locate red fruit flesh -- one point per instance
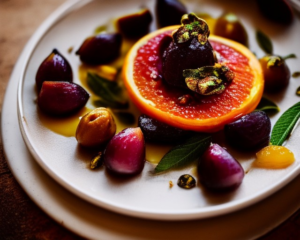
(125, 153)
(218, 170)
(61, 98)
(54, 68)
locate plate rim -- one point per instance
(187, 214)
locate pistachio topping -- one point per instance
(208, 80)
(97, 161)
(186, 181)
(274, 61)
(191, 27)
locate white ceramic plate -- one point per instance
(145, 195)
(92, 222)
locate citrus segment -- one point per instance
(205, 113)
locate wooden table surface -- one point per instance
(20, 217)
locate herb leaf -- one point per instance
(109, 91)
(125, 117)
(296, 74)
(267, 106)
(264, 42)
(292, 55)
(184, 153)
(285, 124)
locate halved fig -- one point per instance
(54, 68)
(61, 98)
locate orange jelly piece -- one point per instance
(274, 157)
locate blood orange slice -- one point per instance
(208, 113)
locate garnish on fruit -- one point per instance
(218, 170)
(125, 152)
(54, 68)
(100, 49)
(95, 128)
(235, 83)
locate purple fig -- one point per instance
(61, 98)
(169, 12)
(219, 171)
(100, 49)
(125, 152)
(135, 25)
(54, 68)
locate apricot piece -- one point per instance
(54, 68)
(61, 98)
(95, 128)
(125, 153)
(135, 25)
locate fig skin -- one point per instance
(100, 49)
(169, 12)
(54, 68)
(219, 171)
(95, 128)
(159, 132)
(276, 10)
(135, 25)
(229, 26)
(178, 57)
(125, 153)
(61, 98)
(276, 78)
(250, 132)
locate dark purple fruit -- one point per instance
(250, 132)
(219, 171)
(159, 132)
(125, 152)
(100, 49)
(169, 12)
(135, 25)
(229, 26)
(61, 98)
(54, 68)
(163, 45)
(276, 10)
(276, 73)
(179, 57)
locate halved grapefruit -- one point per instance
(209, 113)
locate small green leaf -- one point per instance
(296, 74)
(109, 91)
(292, 55)
(264, 42)
(125, 117)
(267, 106)
(184, 153)
(111, 104)
(285, 124)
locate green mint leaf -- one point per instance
(296, 74)
(285, 124)
(100, 29)
(264, 42)
(292, 55)
(109, 91)
(267, 106)
(184, 153)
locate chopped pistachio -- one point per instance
(97, 161)
(186, 181)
